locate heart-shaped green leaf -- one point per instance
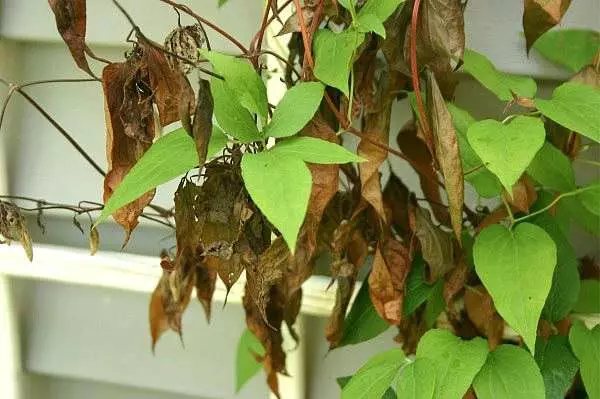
(586, 346)
(507, 150)
(508, 263)
(296, 108)
(557, 365)
(509, 372)
(314, 150)
(574, 106)
(456, 361)
(499, 83)
(375, 377)
(280, 186)
(417, 380)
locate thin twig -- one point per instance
(305, 37)
(554, 202)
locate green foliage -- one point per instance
(484, 181)
(509, 372)
(374, 378)
(418, 380)
(589, 297)
(590, 198)
(169, 157)
(507, 149)
(499, 83)
(296, 108)
(333, 56)
(573, 209)
(456, 361)
(552, 169)
(571, 48)
(242, 80)
(246, 365)
(417, 290)
(574, 106)
(236, 120)
(586, 346)
(363, 322)
(508, 261)
(314, 150)
(557, 365)
(374, 13)
(435, 303)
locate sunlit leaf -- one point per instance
(571, 48)
(315, 150)
(586, 346)
(417, 380)
(552, 169)
(376, 376)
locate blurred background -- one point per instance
(75, 326)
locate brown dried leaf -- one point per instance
(416, 150)
(13, 227)
(455, 282)
(291, 24)
(202, 127)
(291, 312)
(541, 15)
(481, 311)
(436, 244)
(523, 194)
(70, 18)
(447, 152)
(589, 75)
(346, 279)
(396, 197)
(94, 241)
(205, 287)
(391, 266)
(410, 331)
(184, 41)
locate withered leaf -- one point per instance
(70, 18)
(523, 194)
(447, 151)
(481, 311)
(541, 15)
(416, 150)
(184, 41)
(396, 197)
(291, 24)
(436, 244)
(13, 227)
(94, 241)
(391, 266)
(206, 279)
(455, 282)
(346, 280)
(291, 312)
(589, 75)
(202, 127)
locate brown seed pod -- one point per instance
(185, 42)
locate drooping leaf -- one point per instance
(507, 261)
(13, 227)
(456, 361)
(507, 150)
(206, 280)
(588, 300)
(232, 117)
(202, 127)
(417, 380)
(523, 194)
(371, 23)
(375, 376)
(295, 110)
(315, 150)
(417, 289)
(435, 304)
(381, 9)
(242, 80)
(552, 169)
(557, 365)
(590, 198)
(280, 186)
(362, 323)
(541, 15)
(499, 83)
(509, 372)
(565, 281)
(169, 157)
(571, 48)
(246, 365)
(71, 18)
(586, 346)
(447, 151)
(333, 56)
(574, 106)
(291, 24)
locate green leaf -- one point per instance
(371, 23)
(417, 380)
(417, 290)
(507, 150)
(586, 346)
(169, 157)
(280, 186)
(589, 297)
(343, 381)
(232, 117)
(574, 209)
(456, 361)
(499, 83)
(333, 56)
(374, 378)
(508, 263)
(557, 365)
(565, 281)
(382, 9)
(571, 48)
(435, 304)
(574, 106)
(484, 181)
(242, 80)
(246, 365)
(314, 150)
(552, 169)
(509, 372)
(295, 110)
(590, 198)
(363, 322)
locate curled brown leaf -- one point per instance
(541, 15)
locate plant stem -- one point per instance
(588, 161)
(305, 36)
(508, 210)
(554, 202)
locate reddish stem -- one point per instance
(305, 35)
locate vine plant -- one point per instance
(486, 301)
